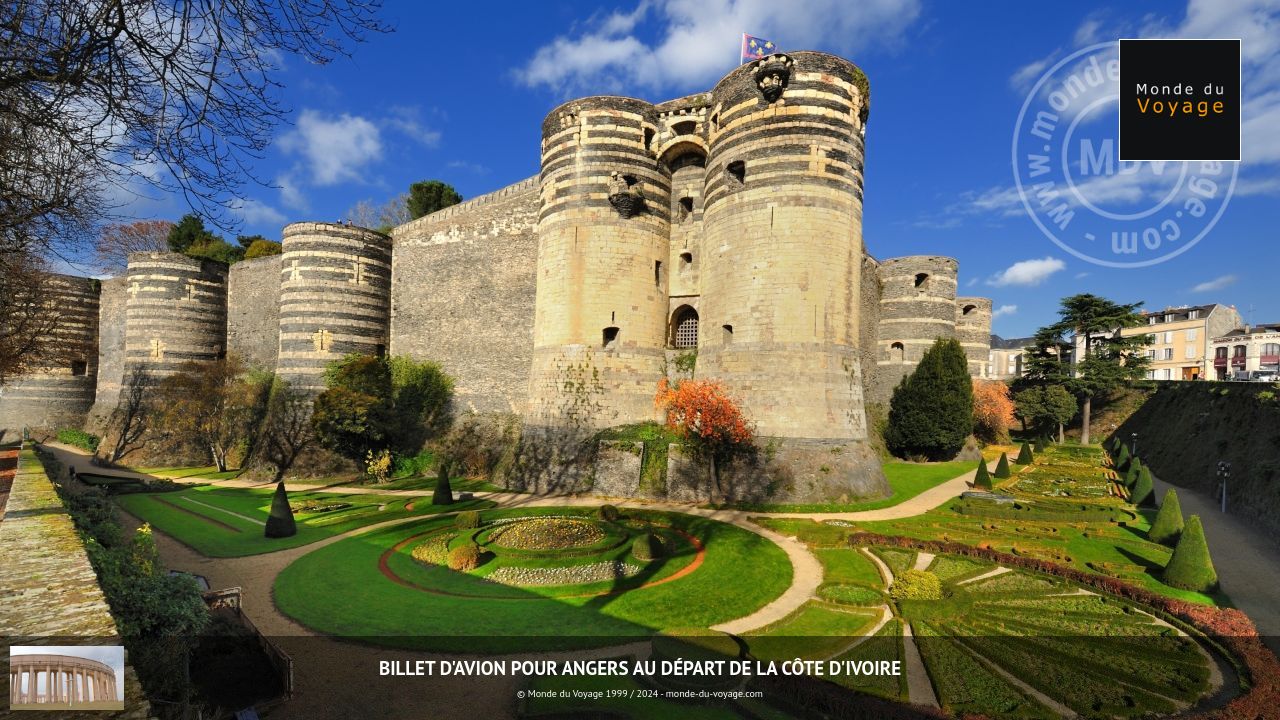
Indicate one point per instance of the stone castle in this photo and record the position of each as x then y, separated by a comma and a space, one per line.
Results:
727, 223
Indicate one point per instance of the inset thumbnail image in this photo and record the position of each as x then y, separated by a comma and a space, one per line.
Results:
66, 677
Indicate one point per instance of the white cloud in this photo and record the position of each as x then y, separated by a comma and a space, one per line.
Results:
1081, 275
469, 167
408, 120
335, 149
1217, 283
1004, 310
1027, 272
291, 192
256, 212
698, 39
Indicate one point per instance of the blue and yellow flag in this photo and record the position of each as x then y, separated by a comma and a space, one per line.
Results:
754, 48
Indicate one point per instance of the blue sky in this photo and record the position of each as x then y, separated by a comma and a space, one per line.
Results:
459, 90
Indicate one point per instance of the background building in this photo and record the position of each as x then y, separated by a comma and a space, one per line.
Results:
1179, 339
1007, 357
1246, 350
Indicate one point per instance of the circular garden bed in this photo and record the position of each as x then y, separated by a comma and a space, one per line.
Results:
536, 579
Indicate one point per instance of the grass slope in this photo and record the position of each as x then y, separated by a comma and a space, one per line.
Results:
907, 480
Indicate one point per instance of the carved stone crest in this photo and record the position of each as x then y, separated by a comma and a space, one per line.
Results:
625, 195
772, 75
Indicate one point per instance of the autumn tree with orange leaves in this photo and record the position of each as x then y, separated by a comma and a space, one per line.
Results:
992, 410
707, 418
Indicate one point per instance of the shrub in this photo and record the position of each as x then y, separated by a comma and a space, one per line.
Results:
434, 550
647, 547
467, 520
1002, 467
608, 513
1042, 443
1168, 523
916, 585
1131, 476
79, 438
378, 465
262, 248
1122, 458
444, 491
1024, 454
982, 480
1143, 489
931, 412
1190, 566
280, 521
465, 557
404, 466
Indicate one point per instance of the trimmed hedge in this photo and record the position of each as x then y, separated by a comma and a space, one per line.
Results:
1024, 455
79, 438
1002, 467
280, 522
608, 513
1167, 526
916, 585
1190, 566
982, 480
1229, 627
465, 557
1143, 489
443, 494
467, 520
647, 547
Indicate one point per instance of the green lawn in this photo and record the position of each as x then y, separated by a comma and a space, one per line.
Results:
229, 522
907, 480
817, 631
335, 589
208, 472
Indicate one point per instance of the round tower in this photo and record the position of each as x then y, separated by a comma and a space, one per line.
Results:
335, 298
60, 390
973, 330
782, 228
917, 306
603, 249
175, 311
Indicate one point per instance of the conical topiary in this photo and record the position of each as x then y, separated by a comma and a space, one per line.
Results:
1002, 467
444, 492
1143, 489
982, 481
1131, 475
1122, 458
1168, 523
647, 547
1190, 566
280, 521
1024, 455
1042, 443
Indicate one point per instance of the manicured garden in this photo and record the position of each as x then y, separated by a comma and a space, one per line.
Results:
906, 479
229, 522
534, 581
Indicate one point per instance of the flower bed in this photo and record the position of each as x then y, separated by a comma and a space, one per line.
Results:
316, 506
568, 575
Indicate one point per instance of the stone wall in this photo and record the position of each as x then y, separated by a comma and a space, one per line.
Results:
917, 306
462, 295
973, 330
111, 332
176, 311
60, 391
253, 311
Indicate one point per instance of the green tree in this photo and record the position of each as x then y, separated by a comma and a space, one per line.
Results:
421, 395
280, 522
428, 196
1002, 467
982, 480
1024, 454
287, 427
1108, 359
931, 412
1143, 489
1045, 407
213, 405
1167, 526
189, 231
1190, 566
262, 248
247, 241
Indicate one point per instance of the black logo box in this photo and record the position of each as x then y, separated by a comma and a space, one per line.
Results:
1180, 65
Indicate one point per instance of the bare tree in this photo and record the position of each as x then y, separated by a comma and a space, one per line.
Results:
211, 404
288, 428
381, 217
177, 96
131, 417
115, 242
29, 317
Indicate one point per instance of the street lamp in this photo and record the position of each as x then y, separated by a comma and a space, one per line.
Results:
1224, 474
1133, 449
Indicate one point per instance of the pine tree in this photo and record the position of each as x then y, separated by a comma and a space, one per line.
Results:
444, 492
1024, 455
280, 521
931, 412
1168, 523
1143, 489
1002, 467
1190, 566
982, 480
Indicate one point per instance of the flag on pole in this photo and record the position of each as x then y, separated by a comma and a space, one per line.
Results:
754, 48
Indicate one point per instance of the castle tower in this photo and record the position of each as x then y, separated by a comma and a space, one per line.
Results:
603, 251
175, 311
782, 228
973, 330
60, 391
917, 306
335, 298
